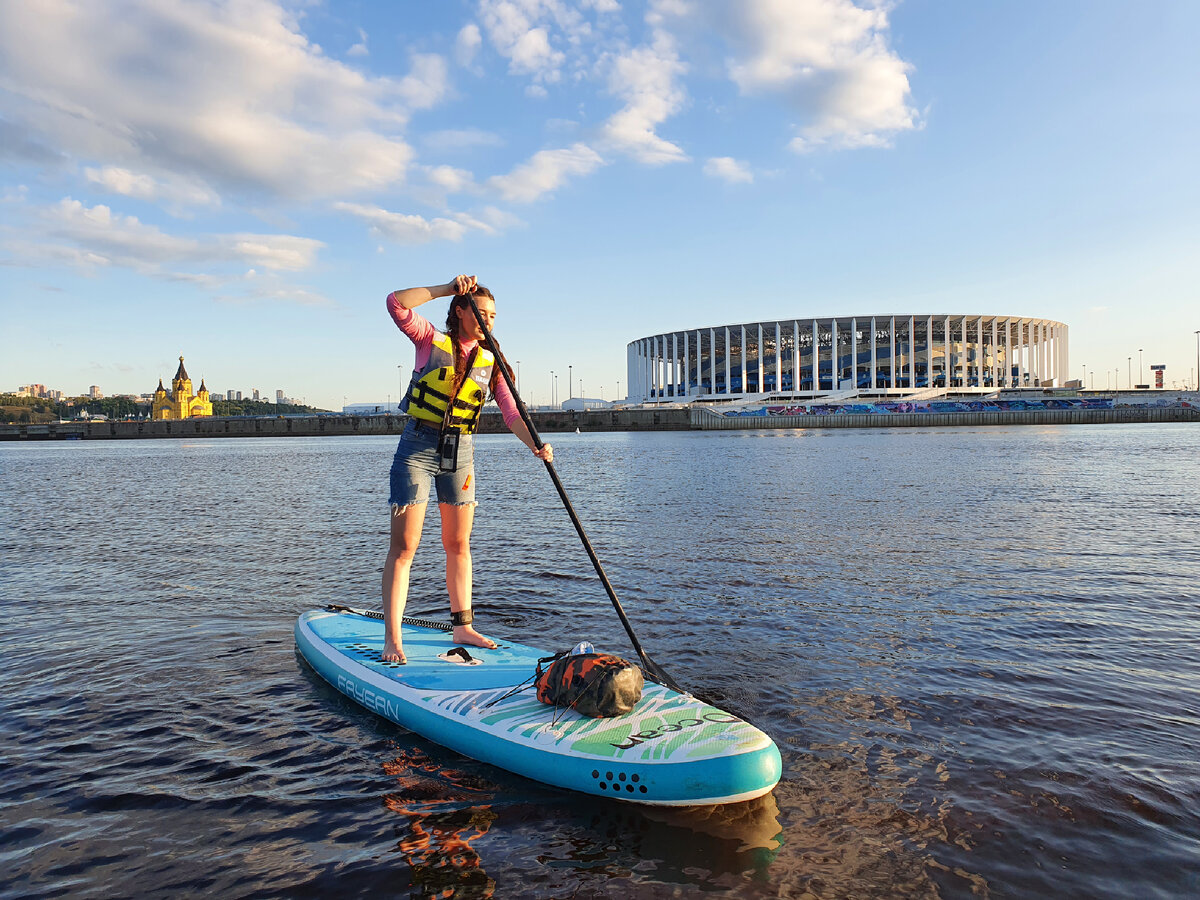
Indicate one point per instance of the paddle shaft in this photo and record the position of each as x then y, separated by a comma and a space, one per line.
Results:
652, 668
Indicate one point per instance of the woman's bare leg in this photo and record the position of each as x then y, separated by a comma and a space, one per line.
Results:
457, 522
402, 547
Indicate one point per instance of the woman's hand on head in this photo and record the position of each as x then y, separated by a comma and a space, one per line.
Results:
546, 454
463, 284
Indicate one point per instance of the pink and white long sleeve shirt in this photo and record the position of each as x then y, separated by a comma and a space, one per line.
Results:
420, 331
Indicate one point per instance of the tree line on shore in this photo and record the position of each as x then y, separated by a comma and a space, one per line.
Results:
16, 410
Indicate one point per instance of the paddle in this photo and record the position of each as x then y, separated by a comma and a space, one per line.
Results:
653, 670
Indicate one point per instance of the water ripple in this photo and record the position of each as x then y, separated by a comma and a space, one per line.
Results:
975, 649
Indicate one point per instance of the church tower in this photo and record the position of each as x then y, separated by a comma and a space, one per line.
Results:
180, 403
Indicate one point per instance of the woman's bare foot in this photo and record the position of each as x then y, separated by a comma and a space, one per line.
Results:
393, 652
465, 634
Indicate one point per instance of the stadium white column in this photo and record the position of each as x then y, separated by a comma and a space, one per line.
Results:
1035, 340
795, 354
759, 366
947, 355
874, 356
687, 364
815, 357
912, 352
778, 357
892, 350
979, 352
1034, 348
929, 351
1047, 369
674, 366
834, 361
725, 353
742, 357
995, 358
965, 352
854, 351
637, 389
649, 367
652, 367
664, 372
635, 373
1022, 353
1042, 367
712, 360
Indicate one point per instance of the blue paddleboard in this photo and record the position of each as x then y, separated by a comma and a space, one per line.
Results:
671, 749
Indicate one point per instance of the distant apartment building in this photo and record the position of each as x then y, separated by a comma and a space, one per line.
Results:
279, 397
94, 392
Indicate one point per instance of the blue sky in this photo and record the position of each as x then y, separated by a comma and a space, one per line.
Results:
243, 182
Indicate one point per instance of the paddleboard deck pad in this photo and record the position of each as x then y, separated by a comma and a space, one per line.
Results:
671, 749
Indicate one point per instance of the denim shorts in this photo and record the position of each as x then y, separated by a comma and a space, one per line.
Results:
417, 463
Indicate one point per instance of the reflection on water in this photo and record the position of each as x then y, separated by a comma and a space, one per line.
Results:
444, 814
975, 649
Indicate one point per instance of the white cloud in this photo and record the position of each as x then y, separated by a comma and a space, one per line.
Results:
728, 169
229, 94
116, 180
96, 236
467, 44
451, 180
514, 30
410, 229
427, 84
545, 171
272, 251
831, 60
359, 49
121, 181
647, 79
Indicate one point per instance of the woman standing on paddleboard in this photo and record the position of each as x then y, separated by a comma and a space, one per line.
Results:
452, 377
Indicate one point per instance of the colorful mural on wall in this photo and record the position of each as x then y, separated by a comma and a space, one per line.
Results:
927, 406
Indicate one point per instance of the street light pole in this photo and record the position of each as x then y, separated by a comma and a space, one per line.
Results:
1129, 372
1141, 377
552, 387
570, 384
518, 376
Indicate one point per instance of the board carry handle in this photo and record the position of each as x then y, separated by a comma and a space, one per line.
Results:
653, 671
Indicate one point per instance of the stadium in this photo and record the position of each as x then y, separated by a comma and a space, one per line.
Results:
888, 355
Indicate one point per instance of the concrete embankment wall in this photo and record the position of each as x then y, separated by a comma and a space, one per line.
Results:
665, 419
706, 420
313, 426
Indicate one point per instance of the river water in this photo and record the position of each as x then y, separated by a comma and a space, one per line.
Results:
976, 649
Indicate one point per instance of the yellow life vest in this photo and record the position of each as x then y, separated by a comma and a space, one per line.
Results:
429, 391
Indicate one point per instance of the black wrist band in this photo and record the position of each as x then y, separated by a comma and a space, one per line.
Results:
466, 617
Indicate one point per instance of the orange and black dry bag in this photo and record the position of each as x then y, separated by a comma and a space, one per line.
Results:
599, 685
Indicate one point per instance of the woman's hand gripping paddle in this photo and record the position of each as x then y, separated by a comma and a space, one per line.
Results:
653, 671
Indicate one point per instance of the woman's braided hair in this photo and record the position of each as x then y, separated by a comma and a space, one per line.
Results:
462, 301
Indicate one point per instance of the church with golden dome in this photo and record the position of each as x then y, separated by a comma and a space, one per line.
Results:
180, 403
